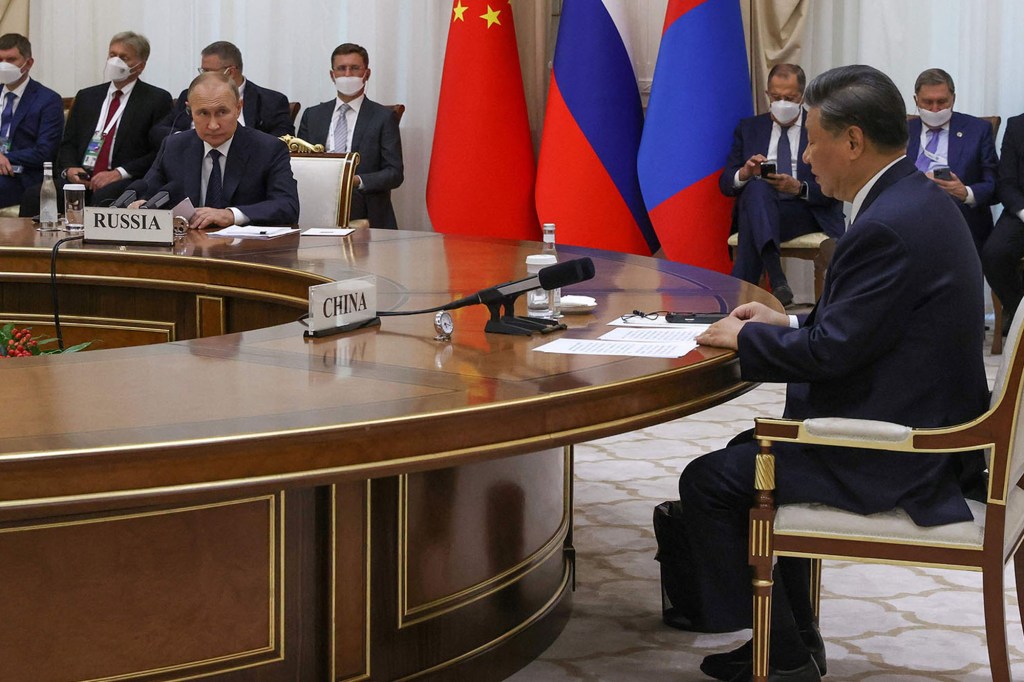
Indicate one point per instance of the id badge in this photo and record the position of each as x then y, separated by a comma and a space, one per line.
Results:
5, 145
92, 152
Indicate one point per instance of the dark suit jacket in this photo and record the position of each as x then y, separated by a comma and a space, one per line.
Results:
1010, 182
133, 150
896, 336
258, 177
264, 109
751, 137
972, 156
379, 144
36, 130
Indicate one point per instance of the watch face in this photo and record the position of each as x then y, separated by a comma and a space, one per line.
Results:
443, 323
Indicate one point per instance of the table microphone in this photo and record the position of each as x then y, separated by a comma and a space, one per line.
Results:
129, 195
163, 197
552, 277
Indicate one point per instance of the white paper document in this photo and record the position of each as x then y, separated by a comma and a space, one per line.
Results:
675, 333
643, 349
253, 232
328, 232
185, 209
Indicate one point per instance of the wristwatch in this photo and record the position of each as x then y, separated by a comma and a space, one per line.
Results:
803, 190
444, 326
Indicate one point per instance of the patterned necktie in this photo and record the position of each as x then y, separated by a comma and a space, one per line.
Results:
7, 116
215, 187
923, 162
341, 130
784, 155
103, 160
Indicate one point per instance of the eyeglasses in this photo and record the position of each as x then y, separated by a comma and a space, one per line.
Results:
223, 69
638, 315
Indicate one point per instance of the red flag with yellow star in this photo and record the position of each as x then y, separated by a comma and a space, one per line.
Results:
482, 167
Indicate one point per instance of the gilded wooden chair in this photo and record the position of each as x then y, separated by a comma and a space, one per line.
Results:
816, 531
325, 181
293, 110
816, 247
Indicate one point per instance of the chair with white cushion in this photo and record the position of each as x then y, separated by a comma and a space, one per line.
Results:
816, 246
325, 182
817, 531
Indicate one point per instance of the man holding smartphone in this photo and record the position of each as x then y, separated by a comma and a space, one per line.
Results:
777, 196
955, 150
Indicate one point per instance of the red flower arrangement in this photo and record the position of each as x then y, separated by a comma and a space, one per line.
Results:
18, 343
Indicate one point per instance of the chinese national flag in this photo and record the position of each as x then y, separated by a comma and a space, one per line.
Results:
482, 166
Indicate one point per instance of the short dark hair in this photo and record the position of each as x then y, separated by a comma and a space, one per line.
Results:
861, 96
351, 48
934, 77
16, 40
787, 70
228, 53
216, 76
136, 41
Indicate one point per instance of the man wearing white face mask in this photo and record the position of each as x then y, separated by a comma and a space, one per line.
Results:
31, 121
353, 123
955, 150
106, 140
775, 207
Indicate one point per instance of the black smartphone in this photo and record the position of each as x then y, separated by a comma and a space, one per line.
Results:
942, 173
694, 318
768, 167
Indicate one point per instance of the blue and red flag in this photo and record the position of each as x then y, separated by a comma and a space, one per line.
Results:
701, 90
587, 176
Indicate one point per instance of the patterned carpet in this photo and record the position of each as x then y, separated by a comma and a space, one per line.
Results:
879, 622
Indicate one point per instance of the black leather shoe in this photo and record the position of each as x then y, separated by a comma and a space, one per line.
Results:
808, 672
728, 665
784, 294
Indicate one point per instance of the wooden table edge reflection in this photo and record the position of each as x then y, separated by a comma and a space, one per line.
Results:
410, 500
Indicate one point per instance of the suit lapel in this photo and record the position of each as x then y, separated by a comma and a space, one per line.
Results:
954, 142
24, 106
250, 104
235, 166
362, 121
130, 113
764, 134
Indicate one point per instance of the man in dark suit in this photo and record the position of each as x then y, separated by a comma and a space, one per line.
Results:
31, 121
896, 336
1002, 253
774, 207
941, 138
353, 123
236, 175
262, 108
107, 137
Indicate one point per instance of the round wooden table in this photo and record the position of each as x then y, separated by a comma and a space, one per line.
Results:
209, 494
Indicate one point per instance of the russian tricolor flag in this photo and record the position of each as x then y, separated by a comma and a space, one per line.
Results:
587, 174
701, 90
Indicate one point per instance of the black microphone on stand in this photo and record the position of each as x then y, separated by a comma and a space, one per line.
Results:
163, 197
129, 195
552, 277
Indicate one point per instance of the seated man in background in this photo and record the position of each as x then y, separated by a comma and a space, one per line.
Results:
774, 207
353, 123
31, 121
1002, 253
896, 336
960, 144
107, 137
262, 108
235, 175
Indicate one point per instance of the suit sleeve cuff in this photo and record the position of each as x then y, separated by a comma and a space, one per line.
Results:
124, 174
969, 200
794, 322
240, 218
736, 182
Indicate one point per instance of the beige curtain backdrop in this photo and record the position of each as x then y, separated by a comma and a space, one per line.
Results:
776, 30
14, 16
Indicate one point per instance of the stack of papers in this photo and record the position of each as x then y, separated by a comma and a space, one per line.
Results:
328, 232
253, 232
648, 341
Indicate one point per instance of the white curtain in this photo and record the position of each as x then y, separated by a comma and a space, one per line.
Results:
978, 43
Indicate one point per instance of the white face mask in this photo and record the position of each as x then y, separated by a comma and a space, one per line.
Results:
116, 70
349, 85
785, 112
935, 119
9, 73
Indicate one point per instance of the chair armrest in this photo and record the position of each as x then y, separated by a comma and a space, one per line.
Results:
857, 429
870, 434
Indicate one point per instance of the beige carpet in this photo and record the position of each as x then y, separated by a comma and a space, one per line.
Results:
879, 622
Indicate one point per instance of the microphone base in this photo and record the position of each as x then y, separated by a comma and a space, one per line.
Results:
509, 323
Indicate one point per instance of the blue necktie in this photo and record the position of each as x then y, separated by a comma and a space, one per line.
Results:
784, 155
215, 187
923, 162
7, 116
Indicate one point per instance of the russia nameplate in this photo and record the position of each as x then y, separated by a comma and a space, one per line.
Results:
129, 226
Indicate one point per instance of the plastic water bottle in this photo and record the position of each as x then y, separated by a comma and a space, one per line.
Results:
549, 249
48, 200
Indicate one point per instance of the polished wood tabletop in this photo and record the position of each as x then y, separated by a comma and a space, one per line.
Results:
392, 399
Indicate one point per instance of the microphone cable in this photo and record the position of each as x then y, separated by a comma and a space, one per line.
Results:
53, 285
